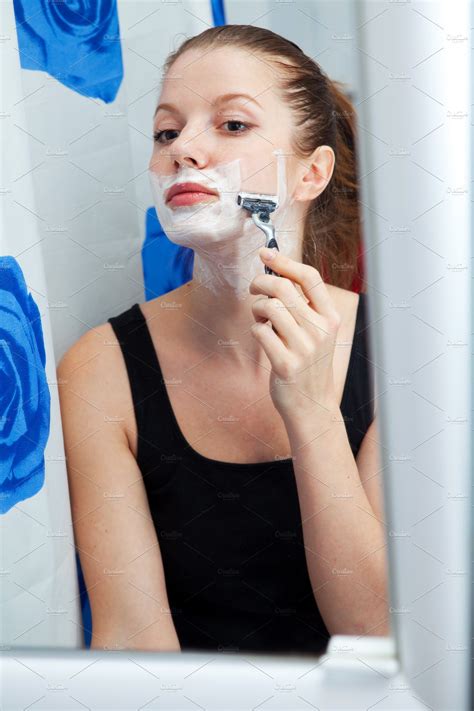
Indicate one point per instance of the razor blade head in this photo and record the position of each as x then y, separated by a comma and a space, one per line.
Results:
258, 202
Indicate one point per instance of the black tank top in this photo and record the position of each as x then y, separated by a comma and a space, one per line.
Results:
230, 534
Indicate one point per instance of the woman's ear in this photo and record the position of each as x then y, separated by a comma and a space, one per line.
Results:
319, 173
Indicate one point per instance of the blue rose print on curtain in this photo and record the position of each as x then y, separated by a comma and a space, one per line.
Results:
77, 42
166, 265
24, 391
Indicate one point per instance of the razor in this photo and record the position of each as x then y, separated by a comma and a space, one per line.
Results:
260, 206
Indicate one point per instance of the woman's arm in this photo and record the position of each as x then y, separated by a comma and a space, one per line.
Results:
113, 528
369, 466
344, 534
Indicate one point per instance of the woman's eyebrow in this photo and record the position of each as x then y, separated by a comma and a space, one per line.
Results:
220, 100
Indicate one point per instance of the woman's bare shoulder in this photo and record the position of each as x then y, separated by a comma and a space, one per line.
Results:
94, 363
91, 348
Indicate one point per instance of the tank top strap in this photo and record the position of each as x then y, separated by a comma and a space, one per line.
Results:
357, 406
157, 444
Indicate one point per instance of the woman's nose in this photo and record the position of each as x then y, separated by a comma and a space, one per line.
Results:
189, 148
187, 161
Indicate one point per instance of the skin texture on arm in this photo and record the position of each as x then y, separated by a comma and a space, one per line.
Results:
344, 533
113, 528
369, 466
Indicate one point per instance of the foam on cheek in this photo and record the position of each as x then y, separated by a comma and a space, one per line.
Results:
217, 219
203, 222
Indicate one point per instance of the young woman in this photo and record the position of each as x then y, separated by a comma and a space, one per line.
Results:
222, 452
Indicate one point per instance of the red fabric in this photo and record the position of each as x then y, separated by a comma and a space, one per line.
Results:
358, 277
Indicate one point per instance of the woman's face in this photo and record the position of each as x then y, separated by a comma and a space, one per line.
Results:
198, 125
220, 122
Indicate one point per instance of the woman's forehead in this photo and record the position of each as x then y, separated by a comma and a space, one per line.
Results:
228, 68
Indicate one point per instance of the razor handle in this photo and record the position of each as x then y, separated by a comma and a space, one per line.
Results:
272, 243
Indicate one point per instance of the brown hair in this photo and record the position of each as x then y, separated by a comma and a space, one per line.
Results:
324, 116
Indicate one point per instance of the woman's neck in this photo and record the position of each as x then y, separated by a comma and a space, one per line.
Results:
218, 304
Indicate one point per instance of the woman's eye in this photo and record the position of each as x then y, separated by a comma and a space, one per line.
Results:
236, 121
157, 135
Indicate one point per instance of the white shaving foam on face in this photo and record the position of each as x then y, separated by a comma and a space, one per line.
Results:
204, 222
222, 234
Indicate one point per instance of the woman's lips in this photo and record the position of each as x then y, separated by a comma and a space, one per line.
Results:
190, 198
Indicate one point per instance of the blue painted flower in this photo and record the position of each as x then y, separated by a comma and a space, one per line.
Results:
77, 42
24, 392
166, 265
